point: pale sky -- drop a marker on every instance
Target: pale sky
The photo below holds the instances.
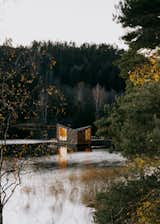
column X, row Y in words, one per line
column 59, row 20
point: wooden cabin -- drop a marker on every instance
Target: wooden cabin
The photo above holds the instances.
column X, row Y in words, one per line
column 78, row 136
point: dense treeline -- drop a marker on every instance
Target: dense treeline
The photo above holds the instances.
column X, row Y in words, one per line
column 66, row 83
column 87, row 76
column 90, row 64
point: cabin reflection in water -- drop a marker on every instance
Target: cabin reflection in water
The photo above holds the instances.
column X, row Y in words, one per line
column 65, row 151
column 63, row 156
column 88, row 149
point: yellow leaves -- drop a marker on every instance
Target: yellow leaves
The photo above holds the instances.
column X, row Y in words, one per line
column 148, row 72
column 140, row 163
column 156, row 77
column 51, row 90
column 30, row 81
column 147, row 212
column 53, row 62
column 144, row 164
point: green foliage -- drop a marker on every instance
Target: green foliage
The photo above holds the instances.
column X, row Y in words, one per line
column 133, row 121
column 132, row 201
column 103, row 124
column 129, row 61
column 142, row 17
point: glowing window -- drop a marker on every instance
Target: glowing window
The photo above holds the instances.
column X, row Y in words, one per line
column 62, row 134
column 88, row 134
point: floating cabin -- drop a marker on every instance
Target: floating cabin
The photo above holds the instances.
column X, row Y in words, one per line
column 78, row 136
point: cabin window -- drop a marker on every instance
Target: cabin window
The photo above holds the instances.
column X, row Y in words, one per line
column 88, row 134
column 62, row 134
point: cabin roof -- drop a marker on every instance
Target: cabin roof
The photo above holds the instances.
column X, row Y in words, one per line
column 82, row 128
column 63, row 125
column 77, row 129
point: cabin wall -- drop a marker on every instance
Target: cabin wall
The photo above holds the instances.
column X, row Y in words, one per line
column 84, row 136
column 81, row 137
column 72, row 137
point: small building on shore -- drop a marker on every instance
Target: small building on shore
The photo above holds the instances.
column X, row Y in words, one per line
column 77, row 136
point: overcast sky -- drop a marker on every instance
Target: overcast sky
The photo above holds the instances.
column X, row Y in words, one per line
column 59, row 20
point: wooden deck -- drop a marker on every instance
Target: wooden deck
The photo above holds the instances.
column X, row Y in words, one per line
column 27, row 141
column 94, row 142
column 97, row 141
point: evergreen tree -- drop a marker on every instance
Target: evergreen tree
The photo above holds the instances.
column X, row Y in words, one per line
column 142, row 20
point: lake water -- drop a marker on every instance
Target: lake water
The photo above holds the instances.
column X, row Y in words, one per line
column 60, row 189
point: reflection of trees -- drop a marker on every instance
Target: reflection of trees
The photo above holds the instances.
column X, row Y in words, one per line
column 94, row 180
column 50, row 192
column 58, row 193
column 73, row 196
column 29, row 192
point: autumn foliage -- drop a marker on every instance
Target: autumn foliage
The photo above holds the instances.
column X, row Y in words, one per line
column 146, row 73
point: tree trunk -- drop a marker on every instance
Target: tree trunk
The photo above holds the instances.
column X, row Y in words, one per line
column 1, row 214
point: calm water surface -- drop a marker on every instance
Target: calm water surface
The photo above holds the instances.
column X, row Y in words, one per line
column 58, row 189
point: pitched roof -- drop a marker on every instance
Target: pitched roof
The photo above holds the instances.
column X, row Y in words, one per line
column 83, row 128
column 77, row 129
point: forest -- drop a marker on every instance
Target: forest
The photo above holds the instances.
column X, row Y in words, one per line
column 68, row 84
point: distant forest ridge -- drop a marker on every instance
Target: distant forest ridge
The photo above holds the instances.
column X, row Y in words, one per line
column 89, row 63
column 72, row 84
